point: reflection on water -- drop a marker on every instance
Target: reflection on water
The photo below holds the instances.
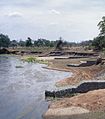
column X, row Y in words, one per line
column 22, row 89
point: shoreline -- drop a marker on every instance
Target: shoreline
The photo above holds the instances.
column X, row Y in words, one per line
column 78, row 74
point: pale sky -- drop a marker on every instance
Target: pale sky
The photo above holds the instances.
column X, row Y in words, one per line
column 74, row 20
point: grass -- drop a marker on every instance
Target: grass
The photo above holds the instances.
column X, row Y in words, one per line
column 32, row 59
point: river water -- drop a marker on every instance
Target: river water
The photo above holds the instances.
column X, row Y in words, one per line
column 22, row 89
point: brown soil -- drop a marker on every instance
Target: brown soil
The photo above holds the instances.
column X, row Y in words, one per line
column 79, row 73
column 93, row 101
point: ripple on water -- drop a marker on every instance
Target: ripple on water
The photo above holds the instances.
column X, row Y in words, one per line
column 22, row 89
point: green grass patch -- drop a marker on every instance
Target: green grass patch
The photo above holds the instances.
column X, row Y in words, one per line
column 34, row 60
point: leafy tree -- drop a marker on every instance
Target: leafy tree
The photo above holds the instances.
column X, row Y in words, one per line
column 22, row 43
column 101, row 26
column 99, row 41
column 86, row 43
column 59, row 44
column 47, row 43
column 29, row 42
column 42, row 42
column 4, row 41
column 13, row 43
column 52, row 43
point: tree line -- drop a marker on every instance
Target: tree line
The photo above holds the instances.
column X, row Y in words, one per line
column 6, row 42
column 98, row 43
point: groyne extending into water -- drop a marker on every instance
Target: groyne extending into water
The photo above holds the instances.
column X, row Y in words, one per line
column 82, row 88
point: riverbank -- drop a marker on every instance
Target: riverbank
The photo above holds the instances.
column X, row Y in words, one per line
column 78, row 74
column 88, row 102
column 84, row 106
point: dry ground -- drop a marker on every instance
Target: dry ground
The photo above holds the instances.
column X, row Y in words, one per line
column 93, row 101
column 79, row 73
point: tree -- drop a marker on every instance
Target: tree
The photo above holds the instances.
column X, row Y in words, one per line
column 13, row 43
column 29, row 42
column 47, row 43
column 99, row 41
column 42, row 42
column 4, row 41
column 52, row 43
column 22, row 43
column 101, row 26
column 38, row 43
column 59, row 44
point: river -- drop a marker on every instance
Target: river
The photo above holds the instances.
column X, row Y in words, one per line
column 22, row 89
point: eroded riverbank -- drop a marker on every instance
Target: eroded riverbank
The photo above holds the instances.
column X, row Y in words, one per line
column 80, row 74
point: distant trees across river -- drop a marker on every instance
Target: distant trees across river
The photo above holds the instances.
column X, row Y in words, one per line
column 98, row 43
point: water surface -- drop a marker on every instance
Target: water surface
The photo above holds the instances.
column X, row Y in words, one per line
column 22, row 89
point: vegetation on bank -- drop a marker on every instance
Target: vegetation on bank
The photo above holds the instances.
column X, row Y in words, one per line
column 31, row 59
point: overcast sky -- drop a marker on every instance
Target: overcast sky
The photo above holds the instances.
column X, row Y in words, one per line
column 74, row 20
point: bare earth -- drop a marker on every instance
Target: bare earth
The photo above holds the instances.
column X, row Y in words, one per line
column 79, row 73
column 67, row 108
column 92, row 101
column 65, row 111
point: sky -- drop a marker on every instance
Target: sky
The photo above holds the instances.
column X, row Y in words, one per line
column 73, row 20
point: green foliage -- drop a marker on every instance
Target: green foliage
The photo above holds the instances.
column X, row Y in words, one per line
column 59, row 44
column 35, row 59
column 86, row 43
column 99, row 42
column 28, row 42
column 22, row 43
column 4, row 41
column 30, row 59
column 13, row 43
column 43, row 43
column 101, row 26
